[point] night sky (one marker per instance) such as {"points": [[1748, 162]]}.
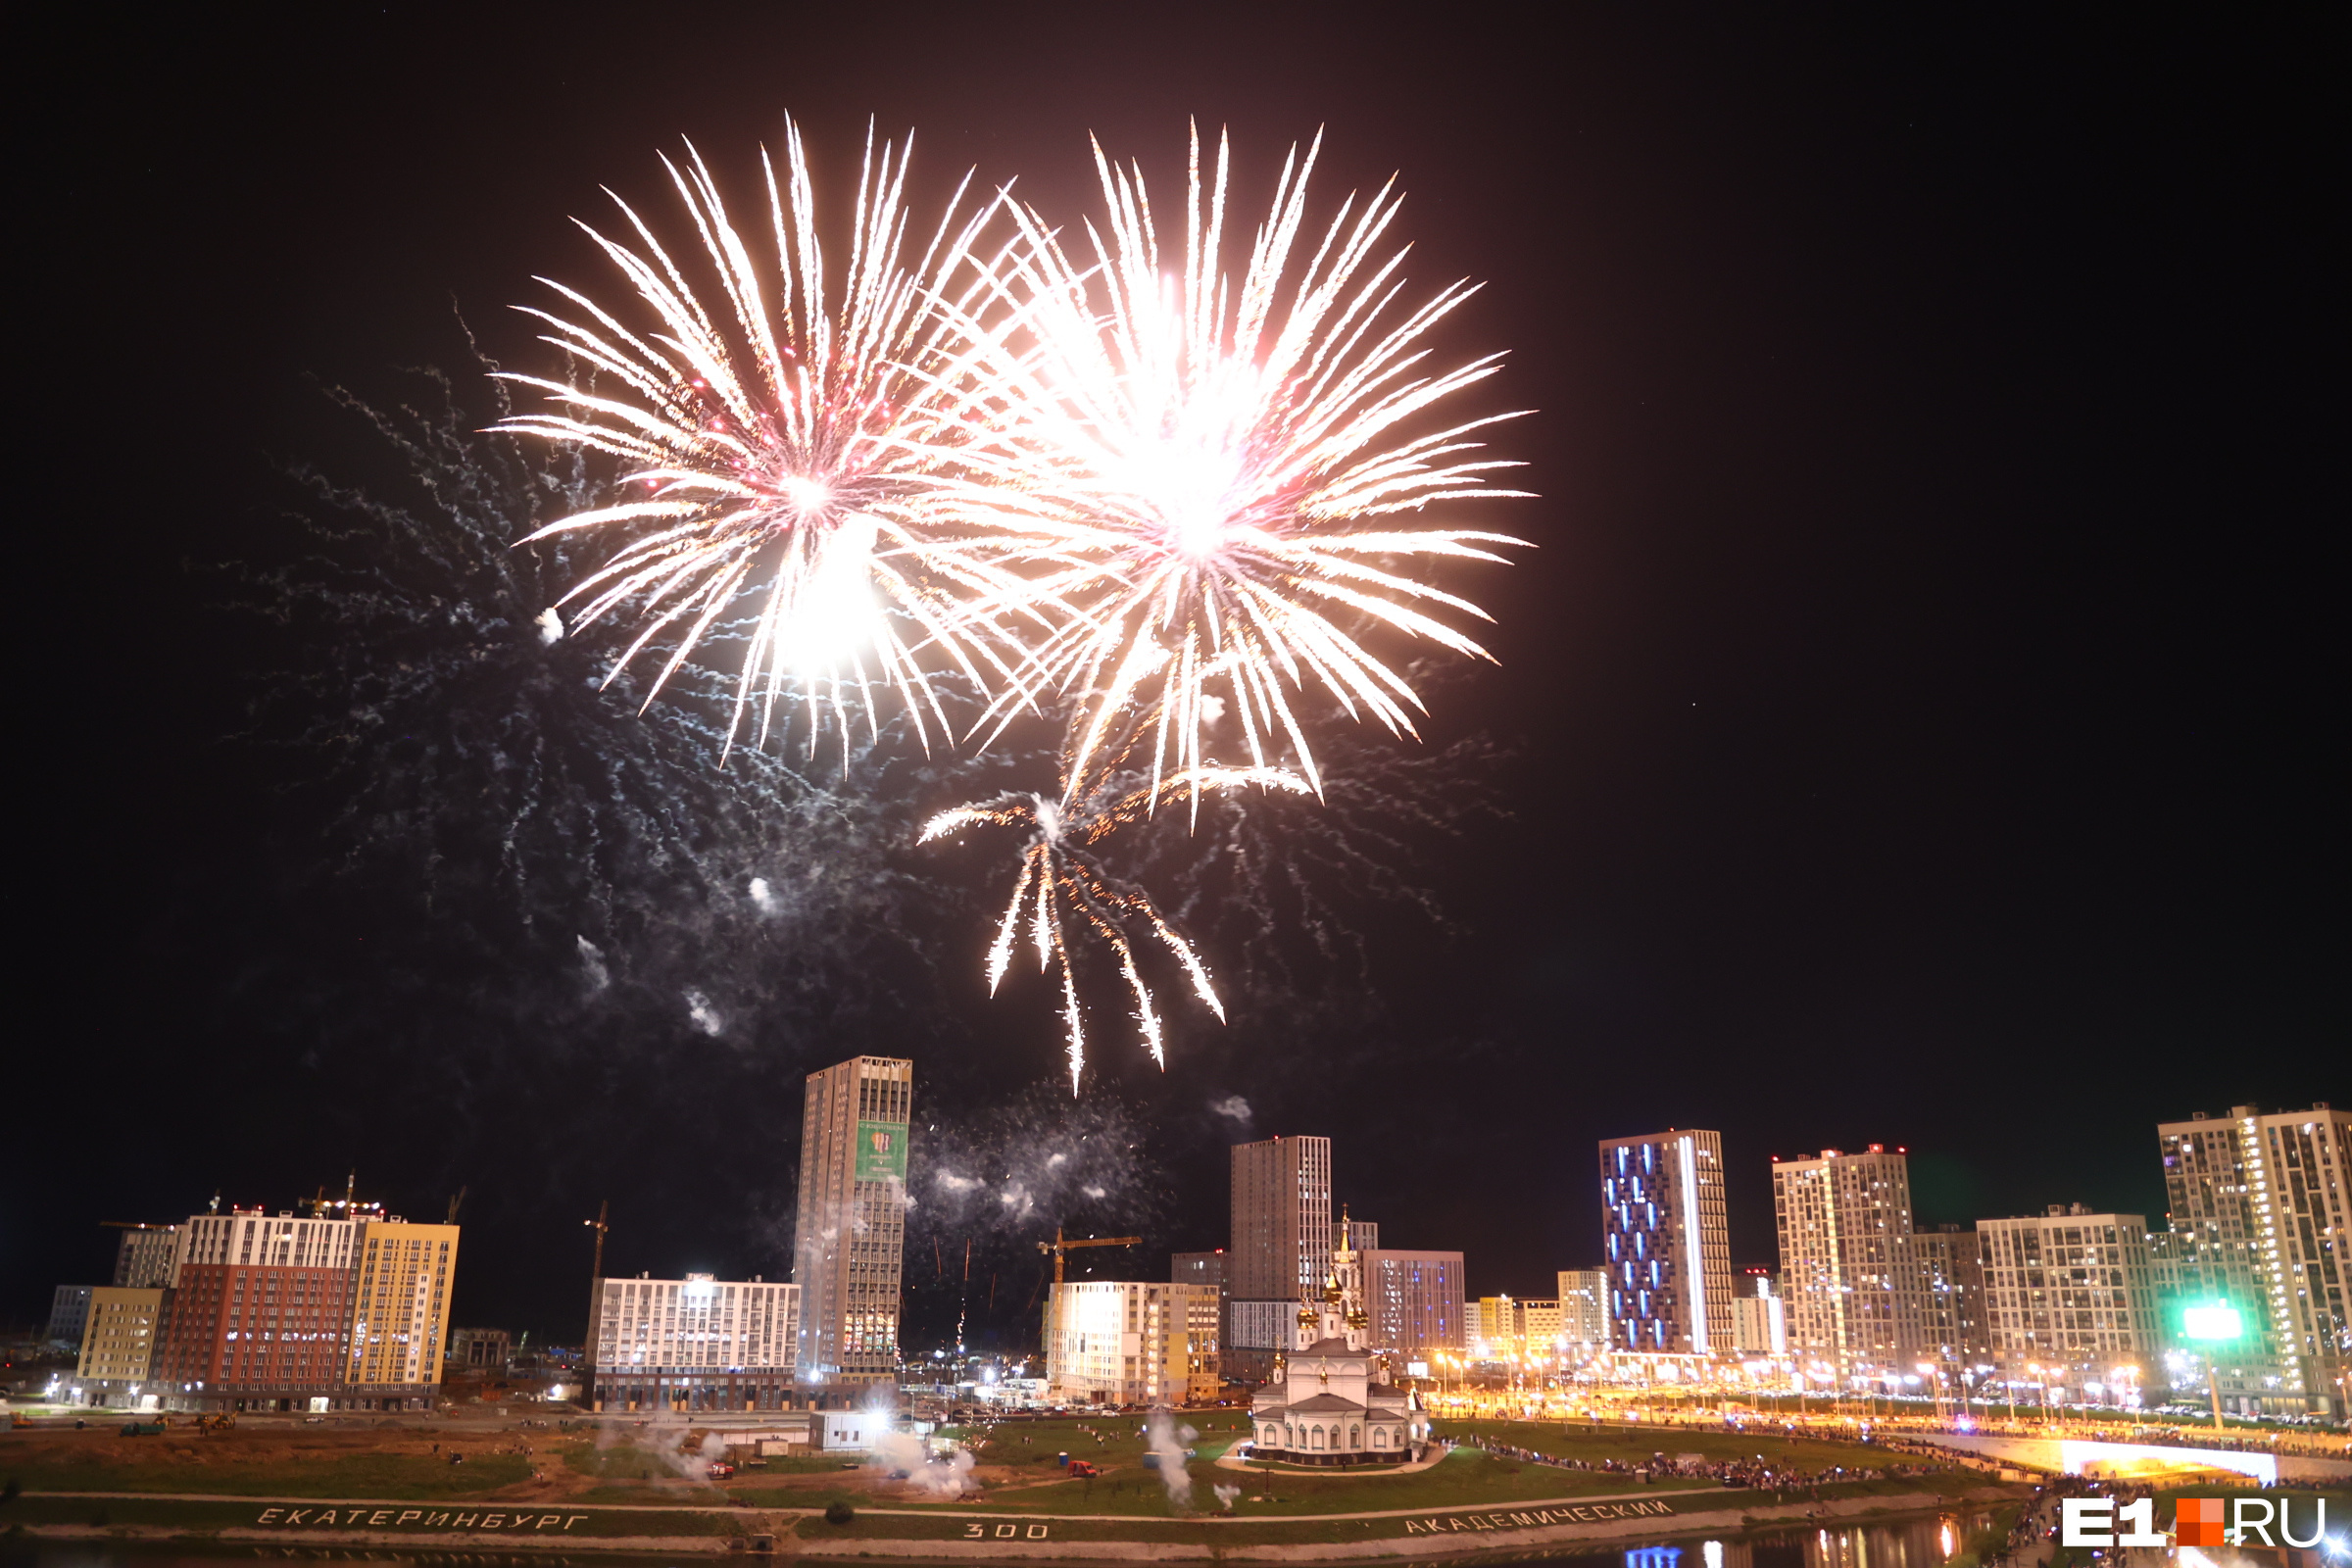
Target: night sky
{"points": [[1919, 723]]}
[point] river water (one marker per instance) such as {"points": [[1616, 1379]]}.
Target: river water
{"points": [[1927, 1542]]}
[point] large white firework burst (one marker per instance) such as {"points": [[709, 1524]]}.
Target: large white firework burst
{"points": [[1062, 884], [1213, 467], [778, 445]]}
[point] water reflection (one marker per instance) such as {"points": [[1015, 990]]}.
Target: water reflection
{"points": [[1924, 1543]]}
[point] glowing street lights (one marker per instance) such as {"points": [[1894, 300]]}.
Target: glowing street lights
{"points": [[2212, 1325], [1928, 1371]]}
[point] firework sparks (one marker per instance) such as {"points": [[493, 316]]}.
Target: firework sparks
{"points": [[1061, 886], [783, 446], [1213, 463]]}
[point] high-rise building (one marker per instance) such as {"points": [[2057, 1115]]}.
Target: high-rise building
{"points": [[1130, 1342], [1363, 1235], [1207, 1269], [68, 1315], [1415, 1304], [261, 1309], [1847, 1271], [401, 1310], [1970, 1325], [850, 1244], [1759, 1321], [1280, 1247], [1198, 1268], [145, 1255], [1667, 1247], [119, 1347], [2070, 1297], [2259, 1204], [337, 1308], [696, 1344], [1585, 1309], [1929, 1308]]}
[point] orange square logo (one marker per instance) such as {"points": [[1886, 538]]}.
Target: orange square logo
{"points": [[2198, 1522]]}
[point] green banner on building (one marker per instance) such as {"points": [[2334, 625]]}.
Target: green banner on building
{"points": [[881, 1151]]}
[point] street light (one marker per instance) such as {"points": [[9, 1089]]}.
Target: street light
{"points": [[2214, 1324], [1929, 1370]]}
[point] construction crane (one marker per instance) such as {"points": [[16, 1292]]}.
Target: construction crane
{"points": [[595, 1269], [1058, 1246], [453, 1207]]}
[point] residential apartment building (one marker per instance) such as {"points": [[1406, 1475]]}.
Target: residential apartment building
{"points": [[1511, 1327], [697, 1344], [119, 1347], [849, 1245], [145, 1255], [1130, 1341], [1415, 1303], [1852, 1277], [1205, 1330], [1198, 1268], [2258, 1204], [1970, 1322], [1584, 1307], [261, 1309], [339, 1306], [1207, 1269], [1760, 1318], [401, 1309], [1929, 1312], [1280, 1246], [68, 1315], [1666, 1243], [2070, 1297]]}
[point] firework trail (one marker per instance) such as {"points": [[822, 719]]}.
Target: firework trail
{"points": [[467, 742], [787, 445], [1211, 462], [1062, 884]]}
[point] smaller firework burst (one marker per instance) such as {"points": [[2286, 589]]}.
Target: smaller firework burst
{"points": [[1063, 886]]}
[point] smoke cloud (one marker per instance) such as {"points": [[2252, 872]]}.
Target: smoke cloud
{"points": [[903, 1455], [1164, 1437]]}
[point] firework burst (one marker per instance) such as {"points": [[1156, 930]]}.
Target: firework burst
{"points": [[778, 448], [1061, 886], [1212, 463]]}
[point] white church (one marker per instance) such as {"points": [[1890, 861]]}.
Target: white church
{"points": [[1329, 1406]]}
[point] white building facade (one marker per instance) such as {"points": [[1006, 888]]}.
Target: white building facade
{"points": [[1759, 1320], [696, 1344], [2070, 1299]]}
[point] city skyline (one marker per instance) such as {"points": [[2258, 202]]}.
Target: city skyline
{"points": [[1912, 706]]}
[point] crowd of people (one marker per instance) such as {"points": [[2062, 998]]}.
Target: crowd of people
{"points": [[1781, 1479]]}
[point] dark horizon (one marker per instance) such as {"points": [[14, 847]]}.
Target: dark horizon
{"points": [[1910, 726]]}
